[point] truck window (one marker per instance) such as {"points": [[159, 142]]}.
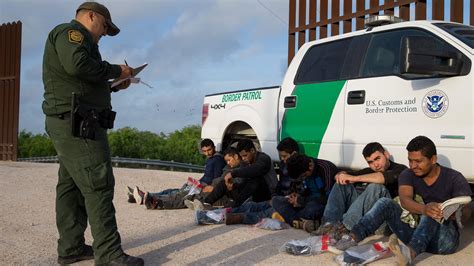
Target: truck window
{"points": [[323, 62], [383, 54], [462, 32]]}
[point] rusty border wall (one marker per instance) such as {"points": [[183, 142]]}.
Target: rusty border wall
{"points": [[317, 19], [10, 54]]}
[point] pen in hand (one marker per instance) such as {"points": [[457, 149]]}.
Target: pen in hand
{"points": [[131, 69]]}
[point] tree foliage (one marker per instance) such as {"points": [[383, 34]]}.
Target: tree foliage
{"points": [[179, 146], [30, 145], [182, 145]]}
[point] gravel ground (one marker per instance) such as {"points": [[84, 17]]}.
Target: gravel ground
{"points": [[28, 233]]}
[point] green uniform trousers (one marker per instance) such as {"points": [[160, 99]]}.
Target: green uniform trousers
{"points": [[85, 190]]}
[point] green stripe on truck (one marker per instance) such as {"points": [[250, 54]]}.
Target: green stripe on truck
{"points": [[307, 123]]}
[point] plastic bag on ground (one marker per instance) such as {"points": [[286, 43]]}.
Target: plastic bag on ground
{"points": [[210, 217], [271, 224], [363, 254], [194, 186], [309, 246]]}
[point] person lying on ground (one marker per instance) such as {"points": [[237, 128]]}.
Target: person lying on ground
{"points": [[173, 198]]}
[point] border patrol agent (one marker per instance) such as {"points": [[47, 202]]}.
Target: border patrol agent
{"points": [[72, 64]]}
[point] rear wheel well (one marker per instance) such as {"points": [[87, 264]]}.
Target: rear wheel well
{"points": [[236, 131]]}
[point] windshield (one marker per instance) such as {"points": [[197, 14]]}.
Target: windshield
{"points": [[462, 32]]}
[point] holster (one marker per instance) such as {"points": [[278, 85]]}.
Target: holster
{"points": [[86, 121], [107, 118]]}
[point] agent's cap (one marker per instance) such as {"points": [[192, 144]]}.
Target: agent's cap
{"points": [[112, 30]]}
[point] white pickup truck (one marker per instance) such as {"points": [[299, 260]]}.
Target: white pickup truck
{"points": [[386, 83]]}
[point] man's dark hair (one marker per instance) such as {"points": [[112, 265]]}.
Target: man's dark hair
{"points": [[245, 145], [424, 145], [288, 145], [297, 165], [207, 143], [231, 151], [372, 147]]}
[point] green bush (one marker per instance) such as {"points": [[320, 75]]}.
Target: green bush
{"points": [[179, 146], [30, 145]]}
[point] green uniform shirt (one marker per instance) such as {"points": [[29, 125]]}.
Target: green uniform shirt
{"points": [[72, 63]]}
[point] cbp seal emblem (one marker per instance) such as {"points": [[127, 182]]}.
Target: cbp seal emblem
{"points": [[435, 104]]}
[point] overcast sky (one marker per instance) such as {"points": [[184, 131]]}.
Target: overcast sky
{"points": [[193, 48]]}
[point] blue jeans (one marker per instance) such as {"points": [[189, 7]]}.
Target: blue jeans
{"points": [[428, 236], [169, 191], [254, 211], [348, 205], [313, 210]]}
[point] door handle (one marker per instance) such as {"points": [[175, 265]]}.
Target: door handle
{"points": [[290, 102], [356, 97]]}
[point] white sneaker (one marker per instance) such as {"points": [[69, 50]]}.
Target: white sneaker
{"points": [[138, 195], [189, 204], [129, 192], [198, 205], [401, 251]]}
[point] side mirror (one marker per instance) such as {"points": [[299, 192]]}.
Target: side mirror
{"points": [[422, 55]]}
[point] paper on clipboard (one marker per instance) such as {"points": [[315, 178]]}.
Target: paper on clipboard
{"points": [[133, 78]]}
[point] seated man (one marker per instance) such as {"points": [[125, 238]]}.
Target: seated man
{"points": [[252, 212], [286, 148], [214, 164], [174, 198], [244, 182], [234, 161], [310, 185], [348, 203], [435, 184]]}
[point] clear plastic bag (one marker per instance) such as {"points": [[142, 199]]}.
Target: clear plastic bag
{"points": [[309, 246], [271, 224], [363, 254], [194, 186], [210, 217]]}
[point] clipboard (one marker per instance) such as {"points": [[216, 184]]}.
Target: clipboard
{"points": [[135, 72]]}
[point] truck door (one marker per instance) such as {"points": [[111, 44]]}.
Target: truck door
{"points": [[313, 113], [384, 106]]}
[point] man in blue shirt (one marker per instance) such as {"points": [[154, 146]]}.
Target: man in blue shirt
{"points": [[214, 164]]}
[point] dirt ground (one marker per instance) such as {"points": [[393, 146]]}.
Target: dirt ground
{"points": [[28, 233]]}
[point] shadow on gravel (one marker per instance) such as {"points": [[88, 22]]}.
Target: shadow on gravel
{"points": [[249, 252], [159, 236], [159, 256], [467, 234]]}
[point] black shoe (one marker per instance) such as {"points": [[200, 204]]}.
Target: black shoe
{"points": [[125, 259], [87, 254], [130, 197]]}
